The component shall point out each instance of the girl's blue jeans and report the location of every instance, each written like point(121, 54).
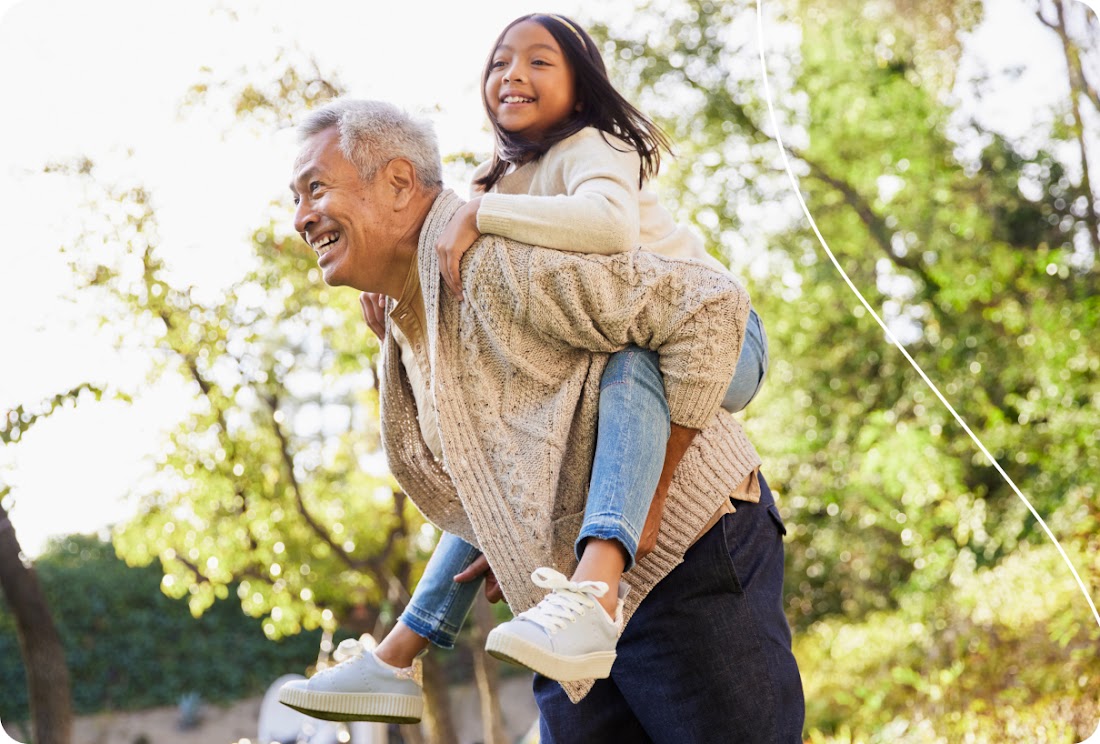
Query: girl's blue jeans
point(630, 453)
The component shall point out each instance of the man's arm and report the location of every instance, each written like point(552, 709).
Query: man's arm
point(693, 316)
point(679, 439)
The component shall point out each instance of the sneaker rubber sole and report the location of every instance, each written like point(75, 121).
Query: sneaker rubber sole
point(596, 665)
point(354, 706)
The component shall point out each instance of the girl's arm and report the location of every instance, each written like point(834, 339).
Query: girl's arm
point(459, 234)
point(595, 209)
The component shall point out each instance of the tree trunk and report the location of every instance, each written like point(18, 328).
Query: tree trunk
point(43, 654)
point(1078, 88)
point(438, 724)
point(486, 674)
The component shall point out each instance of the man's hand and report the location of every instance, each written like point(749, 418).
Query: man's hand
point(679, 439)
point(459, 234)
point(374, 312)
point(480, 567)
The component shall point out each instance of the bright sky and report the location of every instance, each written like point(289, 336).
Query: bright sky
point(100, 79)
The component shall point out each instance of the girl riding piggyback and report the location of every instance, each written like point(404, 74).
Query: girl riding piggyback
point(569, 172)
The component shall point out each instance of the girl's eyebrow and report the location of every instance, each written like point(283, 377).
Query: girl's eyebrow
point(539, 45)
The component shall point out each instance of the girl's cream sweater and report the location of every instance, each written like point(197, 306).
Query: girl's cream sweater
point(582, 195)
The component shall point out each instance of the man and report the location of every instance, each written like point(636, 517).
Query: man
point(488, 419)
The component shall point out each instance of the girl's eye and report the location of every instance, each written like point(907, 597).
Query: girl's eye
point(497, 63)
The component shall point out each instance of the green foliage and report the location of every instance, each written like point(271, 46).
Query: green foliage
point(21, 418)
point(972, 659)
point(976, 250)
point(271, 488)
point(130, 646)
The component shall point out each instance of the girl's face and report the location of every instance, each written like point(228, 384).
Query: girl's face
point(529, 88)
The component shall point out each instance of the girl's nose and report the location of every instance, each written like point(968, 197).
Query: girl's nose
point(514, 73)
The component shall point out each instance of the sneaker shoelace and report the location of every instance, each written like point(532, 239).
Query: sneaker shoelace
point(566, 601)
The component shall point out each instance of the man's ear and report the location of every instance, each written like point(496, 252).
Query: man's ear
point(401, 177)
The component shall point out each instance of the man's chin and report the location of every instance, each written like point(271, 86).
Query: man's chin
point(331, 275)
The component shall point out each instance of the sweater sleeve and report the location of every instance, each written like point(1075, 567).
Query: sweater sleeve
point(692, 315)
point(596, 211)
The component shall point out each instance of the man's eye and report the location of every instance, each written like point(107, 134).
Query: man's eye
point(296, 200)
point(313, 186)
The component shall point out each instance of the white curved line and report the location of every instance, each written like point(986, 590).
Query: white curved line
point(4, 738)
point(1095, 738)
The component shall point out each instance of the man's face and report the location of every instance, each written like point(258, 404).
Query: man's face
point(342, 218)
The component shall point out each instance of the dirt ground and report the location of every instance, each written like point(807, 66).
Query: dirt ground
point(231, 724)
point(158, 726)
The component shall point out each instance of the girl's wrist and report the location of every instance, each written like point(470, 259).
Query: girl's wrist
point(472, 207)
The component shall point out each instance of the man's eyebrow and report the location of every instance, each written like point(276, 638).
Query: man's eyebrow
point(305, 175)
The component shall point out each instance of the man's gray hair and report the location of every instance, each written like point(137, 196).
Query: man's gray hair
point(372, 133)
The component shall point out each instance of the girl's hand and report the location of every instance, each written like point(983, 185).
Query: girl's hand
point(374, 312)
point(459, 234)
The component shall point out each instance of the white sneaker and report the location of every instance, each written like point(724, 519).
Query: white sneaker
point(567, 636)
point(360, 687)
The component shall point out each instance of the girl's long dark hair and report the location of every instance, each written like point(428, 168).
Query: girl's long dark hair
point(601, 107)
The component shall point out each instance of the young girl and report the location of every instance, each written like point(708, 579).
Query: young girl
point(568, 173)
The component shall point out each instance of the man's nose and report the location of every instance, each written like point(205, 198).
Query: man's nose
point(304, 216)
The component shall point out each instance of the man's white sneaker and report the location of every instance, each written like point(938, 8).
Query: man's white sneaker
point(360, 687)
point(567, 636)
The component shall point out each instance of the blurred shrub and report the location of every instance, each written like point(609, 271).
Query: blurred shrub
point(129, 646)
point(1009, 649)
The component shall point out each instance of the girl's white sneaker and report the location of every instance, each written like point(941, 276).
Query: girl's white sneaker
point(567, 636)
point(359, 688)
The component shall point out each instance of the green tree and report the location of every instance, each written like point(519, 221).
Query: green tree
point(274, 486)
point(40, 645)
point(972, 248)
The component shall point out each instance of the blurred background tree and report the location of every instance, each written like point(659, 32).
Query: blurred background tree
point(47, 702)
point(274, 488)
point(981, 255)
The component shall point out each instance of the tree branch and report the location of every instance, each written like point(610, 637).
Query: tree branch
point(875, 224)
point(1076, 83)
point(206, 388)
point(288, 465)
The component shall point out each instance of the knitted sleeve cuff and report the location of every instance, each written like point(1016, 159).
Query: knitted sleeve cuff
point(494, 215)
point(693, 404)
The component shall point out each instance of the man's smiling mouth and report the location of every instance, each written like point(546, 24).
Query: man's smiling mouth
point(322, 245)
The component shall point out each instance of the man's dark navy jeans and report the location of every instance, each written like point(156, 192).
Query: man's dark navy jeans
point(706, 657)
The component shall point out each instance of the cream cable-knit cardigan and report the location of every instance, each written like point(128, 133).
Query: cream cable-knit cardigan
point(515, 372)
